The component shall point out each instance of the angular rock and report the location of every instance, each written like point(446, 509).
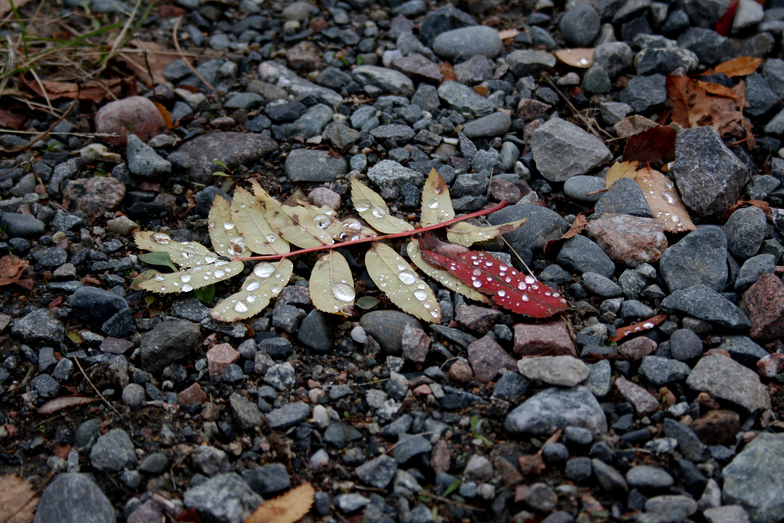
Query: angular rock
point(233, 149)
point(699, 258)
point(706, 304)
point(487, 358)
point(753, 479)
point(546, 339)
point(168, 342)
point(314, 165)
point(392, 175)
point(463, 99)
point(723, 378)
point(529, 63)
point(385, 80)
point(93, 196)
point(628, 239)
point(643, 401)
point(223, 499)
point(562, 150)
point(293, 84)
point(555, 408)
point(74, 497)
point(765, 304)
point(579, 254)
point(543, 224)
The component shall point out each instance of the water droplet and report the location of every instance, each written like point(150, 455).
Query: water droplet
point(362, 205)
point(263, 269)
point(501, 293)
point(220, 273)
point(648, 325)
point(228, 226)
point(508, 279)
point(582, 61)
point(352, 224)
point(212, 224)
point(434, 314)
point(221, 263)
point(271, 238)
point(322, 221)
point(159, 277)
point(252, 286)
point(185, 277)
point(343, 292)
point(187, 255)
point(546, 293)
point(477, 284)
point(529, 280)
point(187, 287)
point(378, 212)
point(240, 307)
point(163, 288)
point(420, 295)
point(676, 218)
point(426, 305)
point(521, 286)
point(433, 204)
point(488, 264)
point(210, 258)
point(668, 198)
point(161, 238)
point(502, 267)
point(525, 297)
point(477, 272)
point(407, 277)
point(556, 295)
point(275, 290)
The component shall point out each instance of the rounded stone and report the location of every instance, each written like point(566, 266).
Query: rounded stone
point(462, 44)
point(137, 115)
point(580, 25)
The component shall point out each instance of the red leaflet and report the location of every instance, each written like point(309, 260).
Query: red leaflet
point(634, 328)
point(510, 289)
point(725, 22)
point(651, 145)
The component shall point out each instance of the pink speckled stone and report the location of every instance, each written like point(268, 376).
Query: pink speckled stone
point(220, 357)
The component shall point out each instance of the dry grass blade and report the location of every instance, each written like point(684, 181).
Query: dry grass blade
point(286, 508)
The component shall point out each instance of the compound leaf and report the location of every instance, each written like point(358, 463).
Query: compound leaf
point(664, 201)
point(223, 231)
point(266, 282)
point(184, 254)
point(294, 224)
point(436, 203)
point(193, 278)
point(332, 284)
point(467, 234)
point(446, 279)
point(248, 215)
point(397, 279)
point(373, 209)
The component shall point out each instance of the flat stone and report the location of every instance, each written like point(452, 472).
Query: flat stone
point(496, 124)
point(765, 304)
point(39, 327)
point(546, 339)
point(624, 197)
point(543, 224)
point(74, 497)
point(562, 371)
point(464, 99)
point(377, 472)
point(648, 477)
point(144, 161)
point(524, 63)
point(556, 408)
point(384, 80)
point(487, 358)
point(659, 371)
point(288, 80)
point(562, 150)
point(672, 508)
point(168, 342)
point(579, 254)
point(706, 304)
point(392, 175)
point(459, 45)
point(700, 257)
point(723, 378)
point(643, 401)
point(726, 514)
point(753, 479)
point(233, 149)
point(223, 499)
point(93, 196)
point(419, 68)
point(314, 165)
point(288, 415)
point(113, 451)
point(637, 348)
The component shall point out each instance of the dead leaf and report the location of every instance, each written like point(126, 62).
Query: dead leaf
point(171, 11)
point(508, 33)
point(577, 227)
point(481, 90)
point(531, 464)
point(765, 206)
point(632, 125)
point(17, 499)
point(11, 270)
point(58, 404)
point(580, 57)
point(286, 508)
point(5, 5)
point(11, 119)
point(651, 145)
point(620, 170)
point(93, 91)
point(634, 328)
point(664, 201)
point(743, 66)
point(165, 114)
point(448, 72)
point(159, 56)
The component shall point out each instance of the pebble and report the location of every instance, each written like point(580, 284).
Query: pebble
point(745, 230)
point(609, 479)
point(743, 350)
point(562, 150)
point(551, 339)
point(706, 304)
point(167, 343)
point(723, 378)
point(579, 254)
point(487, 358)
point(765, 304)
point(685, 345)
point(313, 165)
point(613, 57)
point(225, 498)
point(700, 257)
point(288, 415)
point(136, 114)
point(644, 402)
point(39, 327)
point(543, 224)
point(496, 124)
point(378, 80)
point(529, 63)
point(643, 93)
point(752, 481)
point(580, 25)
point(21, 225)
point(648, 477)
point(387, 328)
point(624, 197)
point(660, 371)
point(553, 409)
point(672, 508)
point(562, 371)
point(93, 196)
point(628, 239)
point(113, 451)
point(461, 44)
point(463, 99)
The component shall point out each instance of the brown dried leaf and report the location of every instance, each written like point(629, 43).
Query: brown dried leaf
point(92, 91)
point(448, 72)
point(158, 56)
point(765, 206)
point(620, 170)
point(17, 499)
point(481, 90)
point(165, 114)
point(11, 119)
point(664, 201)
point(651, 145)
point(531, 464)
point(11, 270)
point(743, 66)
point(286, 508)
point(58, 404)
point(576, 228)
point(508, 33)
point(580, 57)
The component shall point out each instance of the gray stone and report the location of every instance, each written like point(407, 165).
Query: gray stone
point(657, 60)
point(563, 371)
point(292, 83)
point(752, 269)
point(584, 188)
point(269, 479)
point(314, 165)
point(648, 477)
point(685, 345)
point(553, 409)
point(155, 463)
point(244, 412)
point(401, 134)
point(312, 123)
point(689, 444)
point(45, 386)
point(387, 81)
point(461, 44)
point(613, 57)
point(74, 497)
point(391, 175)
point(705, 13)
point(672, 509)
point(92, 304)
point(743, 350)
point(749, 14)
point(610, 479)
point(723, 378)
point(496, 124)
point(39, 327)
point(759, 95)
point(222, 499)
point(601, 285)
point(580, 25)
point(709, 176)
point(166, 343)
point(745, 230)
point(726, 514)
point(706, 304)
point(409, 446)
point(349, 503)
point(645, 92)
point(529, 63)
point(754, 480)
point(596, 81)
point(21, 225)
point(705, 43)
point(699, 258)
point(247, 101)
point(599, 381)
point(624, 197)
point(562, 150)
point(579, 254)
point(378, 472)
point(659, 371)
point(543, 224)
point(288, 415)
point(113, 451)
point(464, 99)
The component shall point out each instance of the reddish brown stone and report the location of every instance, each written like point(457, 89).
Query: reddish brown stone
point(460, 372)
point(637, 348)
point(422, 390)
point(192, 395)
point(318, 24)
point(527, 109)
point(93, 196)
point(304, 57)
point(507, 472)
point(771, 365)
point(477, 319)
point(487, 358)
point(418, 68)
point(440, 458)
point(116, 345)
point(501, 189)
point(137, 115)
point(632, 125)
point(720, 352)
point(220, 357)
point(629, 239)
point(547, 339)
point(643, 401)
point(765, 304)
point(717, 427)
point(414, 344)
point(528, 132)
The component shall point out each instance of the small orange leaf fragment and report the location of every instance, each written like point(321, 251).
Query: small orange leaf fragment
point(638, 327)
point(166, 116)
point(286, 508)
point(580, 57)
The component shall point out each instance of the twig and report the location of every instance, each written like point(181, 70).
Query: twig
point(371, 239)
point(81, 135)
point(48, 131)
point(574, 110)
point(446, 500)
point(78, 364)
point(120, 36)
point(43, 89)
point(24, 381)
point(184, 59)
point(11, 63)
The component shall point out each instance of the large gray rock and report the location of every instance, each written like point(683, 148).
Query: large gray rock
point(74, 497)
point(461, 44)
point(705, 13)
point(562, 150)
point(709, 176)
point(700, 258)
point(464, 99)
point(543, 224)
point(168, 342)
point(222, 499)
point(724, 378)
point(314, 165)
point(754, 479)
point(392, 175)
point(529, 63)
point(706, 304)
point(113, 451)
point(40, 326)
point(553, 409)
point(385, 80)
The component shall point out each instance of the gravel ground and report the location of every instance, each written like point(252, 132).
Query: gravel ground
point(487, 417)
